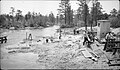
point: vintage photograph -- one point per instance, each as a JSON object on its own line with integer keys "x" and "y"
{"x": 59, "y": 34}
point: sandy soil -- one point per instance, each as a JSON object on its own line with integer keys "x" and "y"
{"x": 58, "y": 55}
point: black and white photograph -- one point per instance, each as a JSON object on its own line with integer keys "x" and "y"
{"x": 59, "y": 34}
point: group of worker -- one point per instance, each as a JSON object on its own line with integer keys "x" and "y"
{"x": 89, "y": 38}
{"x": 46, "y": 39}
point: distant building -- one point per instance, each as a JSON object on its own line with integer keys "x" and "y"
{"x": 103, "y": 28}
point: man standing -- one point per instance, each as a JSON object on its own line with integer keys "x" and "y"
{"x": 87, "y": 40}
{"x": 109, "y": 37}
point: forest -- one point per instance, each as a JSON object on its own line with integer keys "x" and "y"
{"x": 66, "y": 17}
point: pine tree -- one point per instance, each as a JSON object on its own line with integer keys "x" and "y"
{"x": 65, "y": 9}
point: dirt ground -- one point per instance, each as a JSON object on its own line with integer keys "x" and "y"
{"x": 57, "y": 55}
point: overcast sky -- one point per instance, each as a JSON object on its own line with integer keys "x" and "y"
{"x": 47, "y": 6}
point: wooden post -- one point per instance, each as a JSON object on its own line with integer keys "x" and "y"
{"x": 26, "y": 35}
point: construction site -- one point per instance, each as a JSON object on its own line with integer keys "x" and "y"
{"x": 54, "y": 47}
{"x": 65, "y": 53}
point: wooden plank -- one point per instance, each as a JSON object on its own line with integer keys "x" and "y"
{"x": 111, "y": 42}
{"x": 89, "y": 54}
{"x": 94, "y": 54}
{"x": 118, "y": 59}
{"x": 114, "y": 42}
{"x": 86, "y": 53}
{"x": 116, "y": 48}
{"x": 114, "y": 64}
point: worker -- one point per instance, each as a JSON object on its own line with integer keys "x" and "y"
{"x": 74, "y": 31}
{"x": 87, "y": 40}
{"x": 46, "y": 40}
{"x": 30, "y": 37}
{"x": 109, "y": 37}
{"x": 60, "y": 34}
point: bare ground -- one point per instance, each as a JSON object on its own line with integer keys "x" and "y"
{"x": 58, "y": 55}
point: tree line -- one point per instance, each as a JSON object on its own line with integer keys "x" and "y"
{"x": 66, "y": 16}
{"x": 31, "y": 19}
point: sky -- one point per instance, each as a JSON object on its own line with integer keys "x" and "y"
{"x": 47, "y": 6}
